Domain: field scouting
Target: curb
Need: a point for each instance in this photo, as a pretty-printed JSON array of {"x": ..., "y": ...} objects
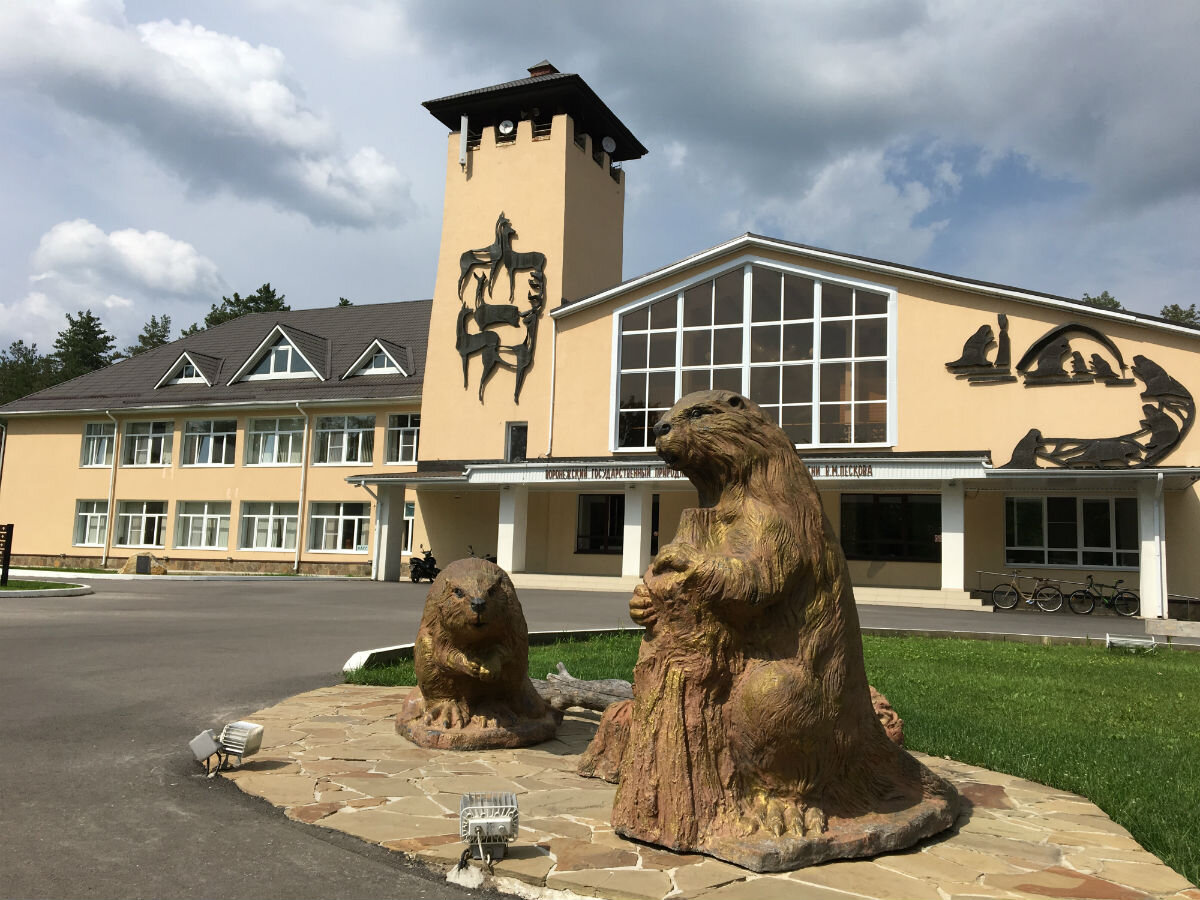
[{"x": 79, "y": 590}]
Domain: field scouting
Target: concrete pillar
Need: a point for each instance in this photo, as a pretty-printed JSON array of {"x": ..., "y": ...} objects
[
  {"x": 635, "y": 555},
  {"x": 953, "y": 537},
  {"x": 389, "y": 533},
  {"x": 1152, "y": 557},
  {"x": 510, "y": 532}
]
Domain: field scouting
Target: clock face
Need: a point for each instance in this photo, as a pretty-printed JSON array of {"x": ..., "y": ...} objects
[
  {"x": 608, "y": 144},
  {"x": 506, "y": 127}
]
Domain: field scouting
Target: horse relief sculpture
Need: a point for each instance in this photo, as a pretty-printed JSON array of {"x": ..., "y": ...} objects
[
  {"x": 475, "y": 333},
  {"x": 472, "y": 664},
  {"x": 751, "y": 735}
]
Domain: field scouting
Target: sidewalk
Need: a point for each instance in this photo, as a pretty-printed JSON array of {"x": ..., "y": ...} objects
[{"x": 331, "y": 758}]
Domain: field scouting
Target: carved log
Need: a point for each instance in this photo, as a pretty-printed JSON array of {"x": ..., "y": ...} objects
[{"x": 562, "y": 690}]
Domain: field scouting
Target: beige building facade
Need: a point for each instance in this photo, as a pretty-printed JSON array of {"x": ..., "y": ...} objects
[{"x": 958, "y": 429}]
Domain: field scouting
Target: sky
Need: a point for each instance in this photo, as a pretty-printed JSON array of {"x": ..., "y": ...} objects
[{"x": 155, "y": 156}]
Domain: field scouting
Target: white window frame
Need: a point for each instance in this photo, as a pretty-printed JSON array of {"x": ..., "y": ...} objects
[
  {"x": 337, "y": 443},
  {"x": 202, "y": 435},
  {"x": 98, "y": 435},
  {"x": 328, "y": 523},
  {"x": 403, "y": 429},
  {"x": 410, "y": 524},
  {"x": 277, "y": 517},
  {"x": 208, "y": 515},
  {"x": 1080, "y": 548},
  {"x": 745, "y": 263},
  {"x": 272, "y": 437},
  {"x": 90, "y": 514},
  {"x": 184, "y": 371},
  {"x": 130, "y": 512},
  {"x": 155, "y": 442},
  {"x": 375, "y": 360}
]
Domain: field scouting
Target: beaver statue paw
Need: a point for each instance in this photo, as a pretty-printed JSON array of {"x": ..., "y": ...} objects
[
  {"x": 780, "y": 816},
  {"x": 641, "y": 607},
  {"x": 447, "y": 714}
]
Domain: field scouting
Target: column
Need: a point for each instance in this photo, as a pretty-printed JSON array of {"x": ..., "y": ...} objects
[
  {"x": 510, "y": 532},
  {"x": 953, "y": 537},
  {"x": 635, "y": 555},
  {"x": 389, "y": 533},
  {"x": 1151, "y": 554}
]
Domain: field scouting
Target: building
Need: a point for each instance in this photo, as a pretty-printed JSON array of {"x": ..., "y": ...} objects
[{"x": 955, "y": 426}]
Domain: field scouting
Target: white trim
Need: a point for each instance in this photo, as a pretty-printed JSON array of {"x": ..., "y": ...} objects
[
  {"x": 227, "y": 404},
  {"x": 367, "y": 354},
  {"x": 176, "y": 366},
  {"x": 882, "y": 268},
  {"x": 257, "y": 355}
]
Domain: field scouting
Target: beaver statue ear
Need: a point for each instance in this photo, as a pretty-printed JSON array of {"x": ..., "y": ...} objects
[{"x": 735, "y": 401}]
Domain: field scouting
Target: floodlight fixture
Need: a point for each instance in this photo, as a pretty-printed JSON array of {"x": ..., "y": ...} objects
[
  {"x": 487, "y": 823},
  {"x": 240, "y": 739}
]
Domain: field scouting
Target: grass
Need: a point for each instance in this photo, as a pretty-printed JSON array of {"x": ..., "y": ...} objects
[
  {"x": 14, "y": 585},
  {"x": 1121, "y": 729}
]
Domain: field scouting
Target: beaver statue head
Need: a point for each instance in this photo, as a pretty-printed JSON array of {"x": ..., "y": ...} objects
[{"x": 475, "y": 602}]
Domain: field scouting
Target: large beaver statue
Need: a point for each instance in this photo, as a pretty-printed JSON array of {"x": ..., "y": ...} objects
[
  {"x": 751, "y": 735},
  {"x": 472, "y": 663}
]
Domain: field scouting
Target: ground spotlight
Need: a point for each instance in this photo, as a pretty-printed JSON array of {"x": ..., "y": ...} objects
[{"x": 240, "y": 739}]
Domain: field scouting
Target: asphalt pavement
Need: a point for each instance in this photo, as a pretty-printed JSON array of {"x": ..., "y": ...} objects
[{"x": 99, "y": 794}]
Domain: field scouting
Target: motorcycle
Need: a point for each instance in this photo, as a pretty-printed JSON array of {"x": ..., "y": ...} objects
[
  {"x": 423, "y": 567},
  {"x": 490, "y": 557}
]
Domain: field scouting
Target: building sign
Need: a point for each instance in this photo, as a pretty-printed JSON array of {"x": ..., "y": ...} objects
[
  {"x": 6, "y": 535},
  {"x": 840, "y": 470},
  {"x": 611, "y": 473}
]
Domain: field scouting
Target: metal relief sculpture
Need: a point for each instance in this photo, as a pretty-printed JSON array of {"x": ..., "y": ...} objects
[
  {"x": 974, "y": 364},
  {"x": 472, "y": 664},
  {"x": 751, "y": 736},
  {"x": 480, "y": 340}
]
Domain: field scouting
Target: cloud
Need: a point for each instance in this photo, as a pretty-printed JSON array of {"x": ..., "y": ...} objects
[
  {"x": 220, "y": 113},
  {"x": 124, "y": 277}
]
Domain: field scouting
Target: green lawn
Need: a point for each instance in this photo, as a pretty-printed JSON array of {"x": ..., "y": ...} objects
[
  {"x": 1121, "y": 729},
  {"x": 14, "y": 585}
]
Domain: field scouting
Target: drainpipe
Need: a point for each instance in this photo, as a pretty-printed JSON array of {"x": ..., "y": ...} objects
[
  {"x": 3, "y": 442},
  {"x": 112, "y": 486},
  {"x": 1160, "y": 524},
  {"x": 375, "y": 536},
  {"x": 553, "y": 372},
  {"x": 300, "y": 517}
]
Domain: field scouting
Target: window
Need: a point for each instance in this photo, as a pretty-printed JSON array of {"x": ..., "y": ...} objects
[
  {"x": 274, "y": 442},
  {"x": 375, "y": 361},
  {"x": 209, "y": 443},
  {"x": 1071, "y": 531},
  {"x": 516, "y": 442},
  {"x": 91, "y": 522},
  {"x": 147, "y": 444},
  {"x": 601, "y": 527},
  {"x": 98, "y": 440},
  {"x": 894, "y": 527},
  {"x": 339, "y": 527},
  {"x": 410, "y": 519},
  {"x": 345, "y": 439},
  {"x": 202, "y": 525},
  {"x": 269, "y": 526},
  {"x": 811, "y": 352},
  {"x": 141, "y": 523},
  {"x": 281, "y": 360},
  {"x": 402, "y": 433}
]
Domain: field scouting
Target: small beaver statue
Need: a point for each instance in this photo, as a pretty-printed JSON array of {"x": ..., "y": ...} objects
[
  {"x": 751, "y": 735},
  {"x": 472, "y": 662}
]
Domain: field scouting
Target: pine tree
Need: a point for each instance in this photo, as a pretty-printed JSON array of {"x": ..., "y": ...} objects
[
  {"x": 23, "y": 371},
  {"x": 1105, "y": 300},
  {"x": 83, "y": 346},
  {"x": 155, "y": 333},
  {"x": 263, "y": 300},
  {"x": 1181, "y": 315}
]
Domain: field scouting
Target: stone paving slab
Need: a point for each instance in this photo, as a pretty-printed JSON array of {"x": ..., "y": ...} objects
[{"x": 331, "y": 758}]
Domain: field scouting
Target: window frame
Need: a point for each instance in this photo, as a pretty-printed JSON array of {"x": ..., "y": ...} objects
[
  {"x": 126, "y": 518},
  {"x": 613, "y": 543},
  {"x": 745, "y": 263},
  {"x": 192, "y": 441},
  {"x": 255, "y": 434},
  {"x": 1084, "y": 554},
  {"x": 223, "y": 522},
  {"x": 323, "y": 513},
  {"x": 398, "y": 432},
  {"x": 410, "y": 524},
  {"x": 131, "y": 444},
  {"x": 277, "y": 515},
  {"x": 323, "y": 439},
  {"x": 106, "y": 437},
  {"x": 272, "y": 352},
  {"x": 84, "y": 527}
]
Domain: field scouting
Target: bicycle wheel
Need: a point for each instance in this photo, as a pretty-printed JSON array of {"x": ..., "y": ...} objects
[
  {"x": 1004, "y": 596},
  {"x": 1049, "y": 598},
  {"x": 1126, "y": 603},
  {"x": 1082, "y": 602}
]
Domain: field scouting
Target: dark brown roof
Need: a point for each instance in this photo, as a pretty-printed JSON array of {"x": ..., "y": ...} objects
[
  {"x": 559, "y": 92},
  {"x": 332, "y": 338}
]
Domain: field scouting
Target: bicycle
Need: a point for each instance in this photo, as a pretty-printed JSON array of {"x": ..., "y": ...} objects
[
  {"x": 1122, "y": 602},
  {"x": 1046, "y": 595}
]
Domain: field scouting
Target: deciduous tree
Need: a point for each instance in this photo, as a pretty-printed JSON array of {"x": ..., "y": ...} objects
[
  {"x": 1181, "y": 315},
  {"x": 1105, "y": 300}
]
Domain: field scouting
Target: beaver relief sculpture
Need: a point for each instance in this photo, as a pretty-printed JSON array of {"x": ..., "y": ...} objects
[
  {"x": 752, "y": 736},
  {"x": 472, "y": 663}
]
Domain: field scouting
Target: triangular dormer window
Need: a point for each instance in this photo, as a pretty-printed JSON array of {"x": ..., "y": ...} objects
[
  {"x": 280, "y": 356},
  {"x": 380, "y": 359},
  {"x": 190, "y": 369}
]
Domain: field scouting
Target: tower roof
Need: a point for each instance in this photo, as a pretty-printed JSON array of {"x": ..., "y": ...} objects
[{"x": 539, "y": 96}]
